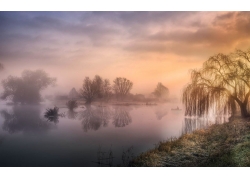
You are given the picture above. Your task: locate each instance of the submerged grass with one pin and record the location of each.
(219, 145)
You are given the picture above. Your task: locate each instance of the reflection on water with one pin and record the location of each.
(68, 145)
(160, 112)
(196, 123)
(54, 119)
(24, 119)
(191, 124)
(1, 139)
(71, 114)
(121, 116)
(94, 117)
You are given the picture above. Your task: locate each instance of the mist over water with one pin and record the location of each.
(50, 58)
(78, 138)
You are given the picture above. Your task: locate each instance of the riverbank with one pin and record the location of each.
(219, 145)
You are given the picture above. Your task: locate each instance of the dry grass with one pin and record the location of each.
(220, 145)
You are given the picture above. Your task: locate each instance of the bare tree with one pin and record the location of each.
(27, 88)
(223, 84)
(99, 86)
(161, 91)
(89, 90)
(106, 90)
(122, 87)
(95, 89)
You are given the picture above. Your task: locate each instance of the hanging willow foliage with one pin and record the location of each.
(222, 84)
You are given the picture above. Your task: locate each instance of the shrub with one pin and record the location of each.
(52, 114)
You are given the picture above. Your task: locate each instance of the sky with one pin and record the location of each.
(144, 47)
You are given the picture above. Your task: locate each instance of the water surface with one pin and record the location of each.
(87, 136)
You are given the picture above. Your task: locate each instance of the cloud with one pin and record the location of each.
(222, 32)
(29, 34)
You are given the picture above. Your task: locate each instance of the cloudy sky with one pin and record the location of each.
(144, 47)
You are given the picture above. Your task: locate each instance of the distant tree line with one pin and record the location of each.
(27, 89)
(99, 88)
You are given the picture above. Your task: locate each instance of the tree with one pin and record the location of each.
(223, 84)
(106, 89)
(103, 87)
(71, 105)
(95, 89)
(161, 91)
(122, 87)
(89, 90)
(26, 89)
(99, 86)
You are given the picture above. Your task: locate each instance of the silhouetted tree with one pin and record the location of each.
(106, 89)
(89, 90)
(95, 89)
(223, 84)
(27, 88)
(161, 91)
(99, 86)
(73, 94)
(122, 87)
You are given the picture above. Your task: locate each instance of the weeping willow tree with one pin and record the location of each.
(222, 84)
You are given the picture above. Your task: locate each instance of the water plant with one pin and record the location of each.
(52, 114)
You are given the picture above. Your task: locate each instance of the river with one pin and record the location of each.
(107, 135)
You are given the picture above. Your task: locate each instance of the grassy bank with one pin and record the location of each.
(220, 145)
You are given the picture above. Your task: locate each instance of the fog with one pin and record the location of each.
(144, 47)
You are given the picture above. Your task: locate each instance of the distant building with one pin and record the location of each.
(73, 94)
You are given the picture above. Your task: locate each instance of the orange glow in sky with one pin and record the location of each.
(144, 47)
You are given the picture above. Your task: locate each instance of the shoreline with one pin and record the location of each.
(220, 145)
